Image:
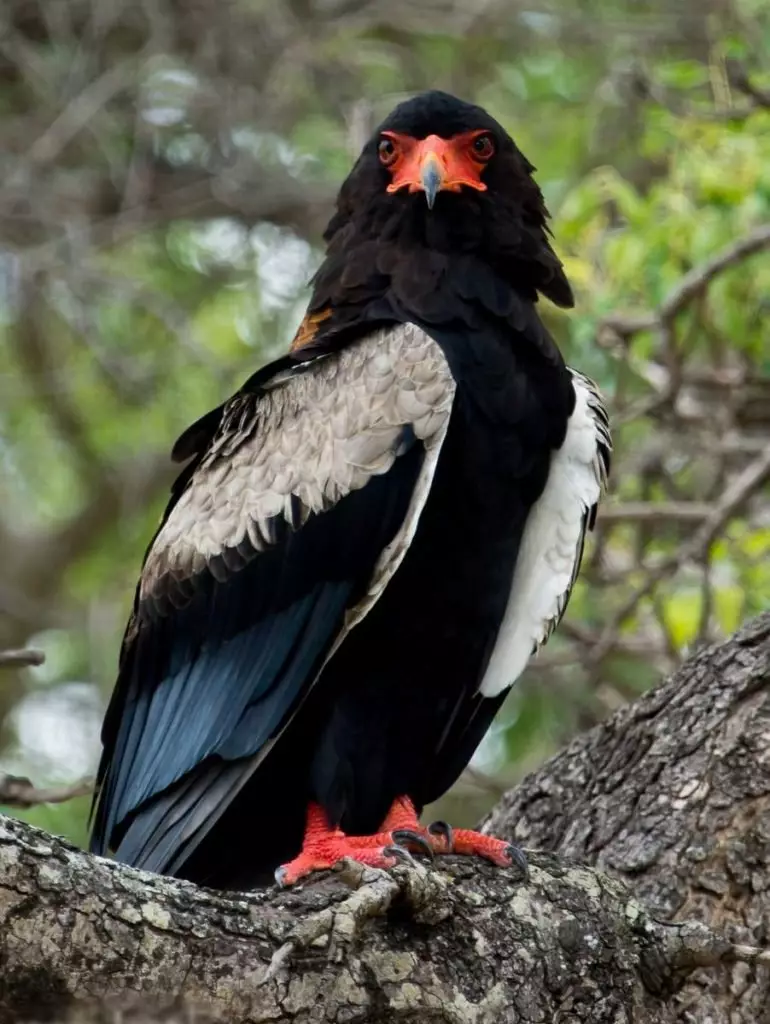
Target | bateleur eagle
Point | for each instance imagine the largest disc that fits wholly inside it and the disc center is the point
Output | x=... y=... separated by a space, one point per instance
x=368 y=541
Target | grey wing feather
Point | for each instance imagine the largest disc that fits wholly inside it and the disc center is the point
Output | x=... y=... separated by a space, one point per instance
x=314 y=435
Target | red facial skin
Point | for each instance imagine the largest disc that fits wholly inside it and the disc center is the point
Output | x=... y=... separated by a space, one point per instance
x=456 y=162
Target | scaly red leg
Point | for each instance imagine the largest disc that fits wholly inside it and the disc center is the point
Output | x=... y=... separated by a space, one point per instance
x=325 y=845
x=401 y=815
x=402 y=826
x=467 y=843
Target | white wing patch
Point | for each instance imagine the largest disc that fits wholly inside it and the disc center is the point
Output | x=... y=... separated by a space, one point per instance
x=552 y=542
x=315 y=434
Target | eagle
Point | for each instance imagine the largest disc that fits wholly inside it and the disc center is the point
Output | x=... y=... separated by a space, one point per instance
x=368 y=541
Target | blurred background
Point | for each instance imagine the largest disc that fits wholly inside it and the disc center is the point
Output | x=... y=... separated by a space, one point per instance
x=166 y=169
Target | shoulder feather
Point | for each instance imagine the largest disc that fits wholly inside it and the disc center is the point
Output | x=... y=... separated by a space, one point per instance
x=298 y=444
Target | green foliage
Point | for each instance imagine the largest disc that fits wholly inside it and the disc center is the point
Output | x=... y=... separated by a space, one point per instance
x=153 y=329
x=67 y=819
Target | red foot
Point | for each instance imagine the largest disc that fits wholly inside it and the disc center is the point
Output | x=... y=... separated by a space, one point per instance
x=443 y=839
x=333 y=852
x=401 y=827
x=467 y=843
x=324 y=846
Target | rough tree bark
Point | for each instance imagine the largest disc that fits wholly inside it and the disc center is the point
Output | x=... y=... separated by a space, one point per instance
x=666 y=806
x=672 y=795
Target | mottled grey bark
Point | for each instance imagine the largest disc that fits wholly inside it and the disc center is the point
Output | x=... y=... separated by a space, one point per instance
x=670 y=794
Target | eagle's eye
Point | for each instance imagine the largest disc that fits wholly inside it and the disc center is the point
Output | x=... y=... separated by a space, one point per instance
x=483 y=147
x=387 y=151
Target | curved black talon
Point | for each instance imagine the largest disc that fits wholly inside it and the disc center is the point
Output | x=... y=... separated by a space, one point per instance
x=445 y=831
x=519 y=858
x=400 y=853
x=412 y=839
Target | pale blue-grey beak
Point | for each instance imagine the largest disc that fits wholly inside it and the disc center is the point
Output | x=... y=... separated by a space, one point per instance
x=432 y=177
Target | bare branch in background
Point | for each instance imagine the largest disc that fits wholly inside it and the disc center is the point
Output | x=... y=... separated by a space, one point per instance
x=25 y=658
x=728 y=77
x=692 y=284
x=739 y=79
x=17 y=791
x=126 y=490
x=747 y=484
x=41 y=366
x=709 y=411
x=655 y=512
x=77 y=116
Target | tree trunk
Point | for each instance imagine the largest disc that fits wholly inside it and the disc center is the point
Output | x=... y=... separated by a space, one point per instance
x=665 y=806
x=672 y=795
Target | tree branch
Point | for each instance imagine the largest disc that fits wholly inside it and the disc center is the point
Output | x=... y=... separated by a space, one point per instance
x=692 y=284
x=656 y=512
x=89 y=928
x=668 y=793
x=672 y=795
x=18 y=791
x=42 y=560
x=753 y=477
x=21 y=659
x=42 y=371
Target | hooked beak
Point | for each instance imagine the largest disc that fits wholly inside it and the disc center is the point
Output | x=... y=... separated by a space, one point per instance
x=432 y=176
x=434 y=165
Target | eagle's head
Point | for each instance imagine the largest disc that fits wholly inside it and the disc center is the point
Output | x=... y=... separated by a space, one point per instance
x=440 y=191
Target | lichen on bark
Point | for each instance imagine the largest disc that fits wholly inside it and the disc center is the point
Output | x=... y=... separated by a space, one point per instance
x=658 y=813
x=672 y=795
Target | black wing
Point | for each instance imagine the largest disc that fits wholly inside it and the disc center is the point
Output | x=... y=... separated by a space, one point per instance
x=277 y=539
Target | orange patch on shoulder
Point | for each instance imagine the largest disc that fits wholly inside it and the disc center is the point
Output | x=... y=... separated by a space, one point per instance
x=308 y=329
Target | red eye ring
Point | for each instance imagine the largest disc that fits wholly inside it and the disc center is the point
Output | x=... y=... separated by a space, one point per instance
x=387 y=151
x=483 y=147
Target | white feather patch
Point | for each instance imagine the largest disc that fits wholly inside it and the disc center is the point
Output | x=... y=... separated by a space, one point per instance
x=318 y=432
x=552 y=542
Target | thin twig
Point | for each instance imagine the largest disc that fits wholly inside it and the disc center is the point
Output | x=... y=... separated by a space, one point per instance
x=696 y=279
x=17 y=791
x=692 y=284
x=743 y=487
x=656 y=512
x=80 y=112
x=22 y=658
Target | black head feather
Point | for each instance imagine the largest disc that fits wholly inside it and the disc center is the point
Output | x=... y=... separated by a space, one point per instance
x=391 y=257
